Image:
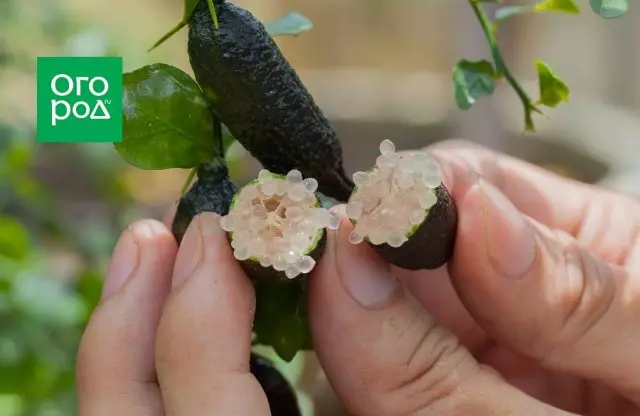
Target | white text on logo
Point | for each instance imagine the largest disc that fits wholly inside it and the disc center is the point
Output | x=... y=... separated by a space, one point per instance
x=98 y=87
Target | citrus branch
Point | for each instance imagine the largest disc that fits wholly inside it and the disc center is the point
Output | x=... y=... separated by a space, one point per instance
x=502 y=69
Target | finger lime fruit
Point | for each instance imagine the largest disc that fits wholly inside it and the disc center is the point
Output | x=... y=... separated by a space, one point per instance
x=280 y=394
x=213 y=191
x=260 y=98
x=403 y=210
x=277 y=226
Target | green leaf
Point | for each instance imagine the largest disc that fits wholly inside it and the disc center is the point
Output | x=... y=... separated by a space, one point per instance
x=610 y=9
x=563 y=6
x=303 y=315
x=279 y=320
x=167 y=121
x=472 y=80
x=553 y=89
x=291 y=24
x=14 y=239
x=557 y=6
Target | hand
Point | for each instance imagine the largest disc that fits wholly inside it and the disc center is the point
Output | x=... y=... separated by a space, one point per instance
x=538 y=312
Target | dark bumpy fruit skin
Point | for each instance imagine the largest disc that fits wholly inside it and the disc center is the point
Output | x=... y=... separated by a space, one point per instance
x=280 y=394
x=212 y=192
x=431 y=246
x=255 y=271
x=260 y=98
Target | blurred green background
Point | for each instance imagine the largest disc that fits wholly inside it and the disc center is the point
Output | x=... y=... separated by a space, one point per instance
x=380 y=69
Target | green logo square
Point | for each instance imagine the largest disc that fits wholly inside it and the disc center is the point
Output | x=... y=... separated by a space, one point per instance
x=79 y=99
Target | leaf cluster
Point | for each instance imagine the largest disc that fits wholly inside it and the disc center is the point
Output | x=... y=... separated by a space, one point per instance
x=473 y=80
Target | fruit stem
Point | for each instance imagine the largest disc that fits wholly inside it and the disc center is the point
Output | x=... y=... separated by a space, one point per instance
x=489 y=30
x=187 y=182
x=213 y=170
x=212 y=10
x=217 y=135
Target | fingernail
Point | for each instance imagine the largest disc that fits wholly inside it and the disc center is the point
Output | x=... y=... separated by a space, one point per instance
x=189 y=253
x=364 y=274
x=510 y=240
x=123 y=263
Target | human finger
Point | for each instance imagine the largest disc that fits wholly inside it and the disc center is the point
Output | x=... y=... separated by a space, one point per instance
x=544 y=294
x=384 y=355
x=168 y=217
x=204 y=336
x=605 y=222
x=115 y=364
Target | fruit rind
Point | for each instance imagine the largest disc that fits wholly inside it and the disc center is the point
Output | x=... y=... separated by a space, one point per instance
x=212 y=192
x=280 y=394
x=431 y=244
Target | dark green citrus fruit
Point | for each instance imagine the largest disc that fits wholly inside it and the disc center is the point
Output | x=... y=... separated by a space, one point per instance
x=280 y=394
x=402 y=209
x=213 y=191
x=260 y=98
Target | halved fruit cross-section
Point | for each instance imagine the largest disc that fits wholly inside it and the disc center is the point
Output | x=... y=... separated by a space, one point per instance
x=277 y=226
x=402 y=208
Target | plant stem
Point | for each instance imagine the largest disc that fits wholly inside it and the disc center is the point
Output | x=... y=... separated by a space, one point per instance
x=187 y=182
x=501 y=67
x=217 y=135
x=212 y=10
x=167 y=35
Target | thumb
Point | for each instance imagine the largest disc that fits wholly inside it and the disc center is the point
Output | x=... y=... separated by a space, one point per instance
x=384 y=355
x=539 y=292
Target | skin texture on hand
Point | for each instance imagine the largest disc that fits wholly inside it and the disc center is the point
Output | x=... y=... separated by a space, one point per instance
x=537 y=313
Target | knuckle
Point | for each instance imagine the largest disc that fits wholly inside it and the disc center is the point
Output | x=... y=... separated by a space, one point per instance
x=583 y=297
x=432 y=367
x=631 y=258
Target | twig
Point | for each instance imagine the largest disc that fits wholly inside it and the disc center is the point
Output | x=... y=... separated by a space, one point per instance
x=489 y=30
